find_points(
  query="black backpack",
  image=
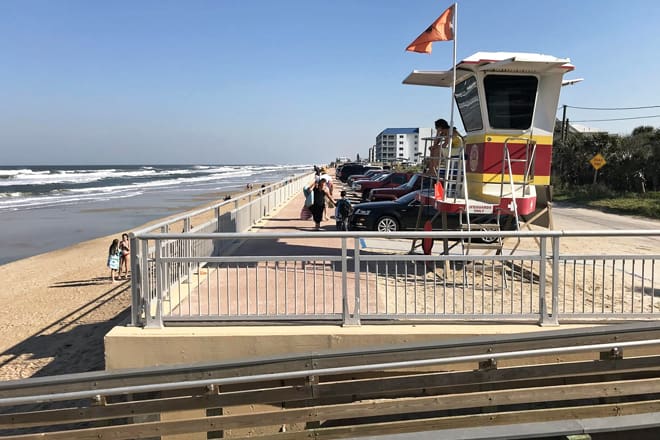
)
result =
(344, 208)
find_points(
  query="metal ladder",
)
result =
(528, 175)
(528, 161)
(456, 186)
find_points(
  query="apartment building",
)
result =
(401, 145)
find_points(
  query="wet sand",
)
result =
(56, 307)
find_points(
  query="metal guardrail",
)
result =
(343, 282)
(231, 216)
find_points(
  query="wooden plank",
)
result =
(363, 388)
(382, 407)
(437, 382)
(469, 421)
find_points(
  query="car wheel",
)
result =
(387, 224)
(489, 240)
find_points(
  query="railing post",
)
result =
(346, 317)
(145, 291)
(542, 263)
(545, 319)
(355, 318)
(136, 276)
(157, 320)
(555, 281)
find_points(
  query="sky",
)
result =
(287, 81)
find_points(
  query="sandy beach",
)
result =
(55, 309)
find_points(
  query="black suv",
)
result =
(350, 169)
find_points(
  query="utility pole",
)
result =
(563, 125)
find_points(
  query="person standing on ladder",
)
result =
(440, 148)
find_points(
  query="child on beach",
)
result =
(342, 212)
(125, 254)
(113, 259)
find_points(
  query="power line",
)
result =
(614, 108)
(616, 119)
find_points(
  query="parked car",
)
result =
(402, 214)
(417, 181)
(386, 181)
(368, 175)
(372, 178)
(395, 215)
(350, 169)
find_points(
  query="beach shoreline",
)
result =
(57, 306)
(45, 208)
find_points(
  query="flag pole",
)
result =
(453, 82)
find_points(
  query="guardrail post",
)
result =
(355, 318)
(545, 318)
(555, 281)
(348, 318)
(157, 320)
(136, 275)
(145, 276)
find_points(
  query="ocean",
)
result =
(43, 208)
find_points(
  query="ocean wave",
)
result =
(34, 187)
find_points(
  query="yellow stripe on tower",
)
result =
(480, 178)
(501, 138)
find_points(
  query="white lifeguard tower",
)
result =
(507, 102)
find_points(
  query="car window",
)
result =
(407, 198)
(398, 179)
(381, 178)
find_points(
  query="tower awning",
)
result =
(434, 78)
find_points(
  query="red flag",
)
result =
(440, 30)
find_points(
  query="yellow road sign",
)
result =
(598, 161)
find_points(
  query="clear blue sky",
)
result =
(287, 81)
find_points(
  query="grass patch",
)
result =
(599, 197)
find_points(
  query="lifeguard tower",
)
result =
(507, 102)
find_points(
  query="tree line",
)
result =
(632, 161)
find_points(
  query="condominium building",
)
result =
(401, 145)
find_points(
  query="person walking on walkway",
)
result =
(321, 194)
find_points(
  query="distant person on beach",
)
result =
(323, 175)
(343, 212)
(125, 254)
(321, 194)
(113, 259)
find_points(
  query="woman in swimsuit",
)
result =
(125, 248)
(113, 259)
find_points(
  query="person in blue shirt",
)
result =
(343, 212)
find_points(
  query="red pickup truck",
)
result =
(388, 181)
(417, 181)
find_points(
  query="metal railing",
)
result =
(333, 277)
(612, 371)
(230, 216)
